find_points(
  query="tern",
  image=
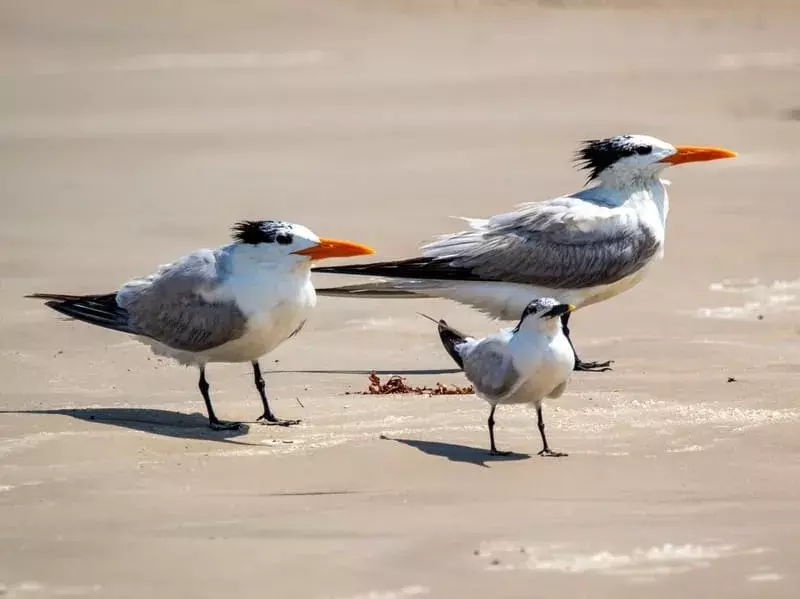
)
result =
(523, 365)
(581, 248)
(232, 304)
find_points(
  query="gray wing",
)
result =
(172, 305)
(490, 368)
(564, 243)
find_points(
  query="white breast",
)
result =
(546, 363)
(276, 308)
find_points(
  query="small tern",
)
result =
(523, 365)
(582, 248)
(232, 304)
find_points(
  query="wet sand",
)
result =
(131, 133)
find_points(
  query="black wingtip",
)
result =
(422, 268)
(66, 297)
(101, 310)
(51, 296)
(431, 318)
(451, 339)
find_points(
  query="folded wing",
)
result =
(180, 305)
(565, 243)
(490, 368)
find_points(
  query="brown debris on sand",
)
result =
(397, 385)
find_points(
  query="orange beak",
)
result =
(334, 248)
(697, 154)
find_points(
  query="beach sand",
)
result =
(134, 132)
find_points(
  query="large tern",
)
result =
(232, 304)
(523, 365)
(581, 248)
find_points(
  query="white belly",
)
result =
(596, 295)
(262, 335)
(507, 301)
(265, 331)
(553, 370)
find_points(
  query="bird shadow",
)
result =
(380, 372)
(157, 422)
(459, 453)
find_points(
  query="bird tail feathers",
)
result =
(382, 289)
(101, 310)
(474, 223)
(451, 338)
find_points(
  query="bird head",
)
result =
(278, 241)
(630, 157)
(543, 314)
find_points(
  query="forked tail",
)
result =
(382, 289)
(451, 338)
(100, 310)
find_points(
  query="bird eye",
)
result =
(644, 150)
(284, 238)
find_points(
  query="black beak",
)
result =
(558, 310)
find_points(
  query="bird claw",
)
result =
(549, 453)
(219, 425)
(581, 366)
(272, 421)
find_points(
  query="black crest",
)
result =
(596, 155)
(263, 231)
(537, 306)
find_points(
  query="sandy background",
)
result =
(133, 132)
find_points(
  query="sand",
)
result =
(133, 132)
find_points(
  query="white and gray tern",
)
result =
(232, 304)
(523, 365)
(581, 248)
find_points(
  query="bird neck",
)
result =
(259, 282)
(625, 182)
(539, 327)
(642, 193)
(251, 260)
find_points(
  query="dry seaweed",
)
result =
(396, 385)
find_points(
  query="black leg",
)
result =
(493, 450)
(580, 365)
(213, 422)
(546, 451)
(267, 417)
